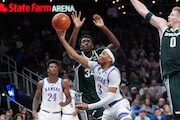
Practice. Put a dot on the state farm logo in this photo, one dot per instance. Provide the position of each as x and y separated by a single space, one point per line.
34 7
3 8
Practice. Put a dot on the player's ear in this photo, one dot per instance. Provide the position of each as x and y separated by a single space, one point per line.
92 46
80 47
179 19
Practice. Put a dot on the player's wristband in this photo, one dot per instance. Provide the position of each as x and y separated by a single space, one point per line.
148 16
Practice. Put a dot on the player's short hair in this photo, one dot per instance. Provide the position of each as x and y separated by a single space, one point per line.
176 8
51 61
85 36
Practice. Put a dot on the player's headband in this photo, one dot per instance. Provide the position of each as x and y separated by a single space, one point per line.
108 51
86 36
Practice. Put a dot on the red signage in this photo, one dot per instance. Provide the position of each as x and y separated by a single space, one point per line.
34 7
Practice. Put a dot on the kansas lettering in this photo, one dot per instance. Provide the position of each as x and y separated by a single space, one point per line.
101 79
52 89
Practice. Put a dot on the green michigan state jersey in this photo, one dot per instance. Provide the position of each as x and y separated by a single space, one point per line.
83 76
170 51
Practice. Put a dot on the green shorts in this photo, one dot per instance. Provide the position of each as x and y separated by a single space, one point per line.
172 84
92 98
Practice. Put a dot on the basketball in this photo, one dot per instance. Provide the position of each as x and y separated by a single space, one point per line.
61 21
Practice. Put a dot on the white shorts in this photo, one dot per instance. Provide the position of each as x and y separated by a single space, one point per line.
69 117
118 111
48 116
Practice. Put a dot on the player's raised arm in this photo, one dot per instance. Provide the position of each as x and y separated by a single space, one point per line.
76 17
157 22
98 21
71 52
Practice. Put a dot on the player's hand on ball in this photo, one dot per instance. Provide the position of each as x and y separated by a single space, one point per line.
61 34
82 106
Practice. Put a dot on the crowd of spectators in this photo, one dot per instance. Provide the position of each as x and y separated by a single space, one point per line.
31 43
9 114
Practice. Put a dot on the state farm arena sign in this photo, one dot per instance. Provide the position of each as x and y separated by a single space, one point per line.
34 7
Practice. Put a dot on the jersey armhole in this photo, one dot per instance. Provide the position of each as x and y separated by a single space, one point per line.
163 32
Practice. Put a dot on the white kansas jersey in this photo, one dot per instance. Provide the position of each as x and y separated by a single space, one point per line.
105 78
51 95
70 108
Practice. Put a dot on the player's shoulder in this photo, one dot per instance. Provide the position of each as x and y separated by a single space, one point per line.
114 70
40 84
41 81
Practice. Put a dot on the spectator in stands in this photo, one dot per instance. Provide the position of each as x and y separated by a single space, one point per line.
124 78
153 64
158 115
3 117
123 86
167 112
2 110
26 115
19 43
161 103
142 115
144 77
4 46
134 51
112 13
157 97
18 116
142 60
20 58
126 94
9 115
136 106
143 88
154 75
154 88
66 59
41 69
133 92
11 111
134 80
150 107
138 96
46 56
148 96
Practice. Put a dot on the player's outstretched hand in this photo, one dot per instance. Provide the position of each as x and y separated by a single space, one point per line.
76 17
98 21
82 106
